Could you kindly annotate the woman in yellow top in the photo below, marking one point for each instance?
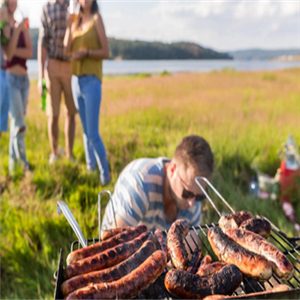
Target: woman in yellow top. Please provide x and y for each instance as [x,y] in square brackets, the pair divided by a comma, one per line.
[86,40]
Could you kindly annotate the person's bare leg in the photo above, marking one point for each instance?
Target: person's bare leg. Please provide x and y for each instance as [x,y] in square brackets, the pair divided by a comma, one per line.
[69,134]
[53,134]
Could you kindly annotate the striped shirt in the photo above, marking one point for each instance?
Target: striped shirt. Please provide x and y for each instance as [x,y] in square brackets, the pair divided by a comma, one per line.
[138,197]
[52,31]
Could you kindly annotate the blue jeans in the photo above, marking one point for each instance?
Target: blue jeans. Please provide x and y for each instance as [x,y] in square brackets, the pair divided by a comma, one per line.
[87,98]
[18,89]
[4,101]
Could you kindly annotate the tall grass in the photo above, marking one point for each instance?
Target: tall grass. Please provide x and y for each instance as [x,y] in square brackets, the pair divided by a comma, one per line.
[245,116]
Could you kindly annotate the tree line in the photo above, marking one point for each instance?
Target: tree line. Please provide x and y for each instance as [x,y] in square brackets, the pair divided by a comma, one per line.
[126,49]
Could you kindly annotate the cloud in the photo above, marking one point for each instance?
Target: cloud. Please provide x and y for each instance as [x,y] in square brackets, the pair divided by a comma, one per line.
[219,24]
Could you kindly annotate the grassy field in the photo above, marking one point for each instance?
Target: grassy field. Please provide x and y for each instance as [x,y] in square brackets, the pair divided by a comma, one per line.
[245,116]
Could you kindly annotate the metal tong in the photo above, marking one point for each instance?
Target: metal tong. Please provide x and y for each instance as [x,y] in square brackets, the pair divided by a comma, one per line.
[63,207]
[197,179]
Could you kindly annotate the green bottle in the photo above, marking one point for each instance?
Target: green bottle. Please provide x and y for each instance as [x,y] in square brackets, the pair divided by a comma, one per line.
[4,40]
[3,23]
[44,95]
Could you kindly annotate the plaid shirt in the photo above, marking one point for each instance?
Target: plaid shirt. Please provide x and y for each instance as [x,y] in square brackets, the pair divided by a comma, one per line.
[52,31]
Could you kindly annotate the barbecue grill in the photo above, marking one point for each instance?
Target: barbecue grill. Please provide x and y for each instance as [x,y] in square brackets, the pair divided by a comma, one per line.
[290,246]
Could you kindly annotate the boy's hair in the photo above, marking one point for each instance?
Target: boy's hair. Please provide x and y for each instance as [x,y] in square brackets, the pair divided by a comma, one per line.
[194,151]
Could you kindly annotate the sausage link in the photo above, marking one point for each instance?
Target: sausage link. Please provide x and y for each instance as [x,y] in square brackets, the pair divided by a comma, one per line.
[234,220]
[178,231]
[257,244]
[259,295]
[215,297]
[230,252]
[120,238]
[106,234]
[162,242]
[185,285]
[111,274]
[195,261]
[205,261]
[257,225]
[128,286]
[106,258]
[210,269]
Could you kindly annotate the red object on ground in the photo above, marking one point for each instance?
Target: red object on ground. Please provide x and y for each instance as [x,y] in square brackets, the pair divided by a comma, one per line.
[289,182]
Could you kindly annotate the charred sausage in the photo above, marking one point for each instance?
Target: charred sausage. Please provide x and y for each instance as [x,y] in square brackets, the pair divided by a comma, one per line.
[210,269]
[162,242]
[195,261]
[178,231]
[276,289]
[185,285]
[257,225]
[106,234]
[108,258]
[257,244]
[120,238]
[234,220]
[110,274]
[230,252]
[128,286]
[205,261]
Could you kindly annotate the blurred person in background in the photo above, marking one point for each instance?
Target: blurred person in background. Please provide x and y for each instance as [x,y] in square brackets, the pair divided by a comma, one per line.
[18,50]
[157,191]
[55,67]
[4,97]
[87,44]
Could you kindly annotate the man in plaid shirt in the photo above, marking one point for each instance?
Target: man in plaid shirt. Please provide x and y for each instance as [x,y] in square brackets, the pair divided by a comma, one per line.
[55,67]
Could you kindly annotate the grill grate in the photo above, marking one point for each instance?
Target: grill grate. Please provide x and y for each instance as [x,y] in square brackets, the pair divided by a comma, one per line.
[198,237]
[288,246]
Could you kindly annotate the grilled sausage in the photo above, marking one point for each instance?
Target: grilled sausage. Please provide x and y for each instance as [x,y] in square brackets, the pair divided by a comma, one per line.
[210,269]
[205,261]
[185,285]
[257,225]
[106,234]
[276,289]
[215,297]
[195,261]
[280,288]
[111,274]
[162,242]
[177,232]
[107,258]
[128,286]
[120,238]
[230,252]
[257,244]
[234,220]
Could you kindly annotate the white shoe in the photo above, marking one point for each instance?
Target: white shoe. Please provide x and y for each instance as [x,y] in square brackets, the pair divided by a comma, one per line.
[53,158]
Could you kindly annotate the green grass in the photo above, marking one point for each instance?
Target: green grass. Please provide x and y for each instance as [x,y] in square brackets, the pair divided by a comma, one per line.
[245,116]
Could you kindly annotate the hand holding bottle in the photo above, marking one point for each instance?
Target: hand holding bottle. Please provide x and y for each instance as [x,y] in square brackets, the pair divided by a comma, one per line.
[5,30]
[73,11]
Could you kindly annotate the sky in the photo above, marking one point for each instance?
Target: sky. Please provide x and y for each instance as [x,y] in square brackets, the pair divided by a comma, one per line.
[220,25]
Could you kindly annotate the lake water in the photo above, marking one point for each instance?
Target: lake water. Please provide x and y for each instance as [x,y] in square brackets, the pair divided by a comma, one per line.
[124,67]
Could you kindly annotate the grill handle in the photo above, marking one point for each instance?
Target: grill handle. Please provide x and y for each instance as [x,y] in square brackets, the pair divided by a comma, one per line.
[99,210]
[63,207]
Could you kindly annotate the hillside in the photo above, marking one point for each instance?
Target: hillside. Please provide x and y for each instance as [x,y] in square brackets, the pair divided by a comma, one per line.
[126,49]
[261,54]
